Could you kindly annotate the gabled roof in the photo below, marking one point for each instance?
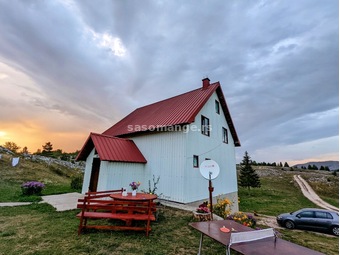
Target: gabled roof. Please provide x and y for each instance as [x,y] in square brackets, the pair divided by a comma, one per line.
[111,149]
[178,110]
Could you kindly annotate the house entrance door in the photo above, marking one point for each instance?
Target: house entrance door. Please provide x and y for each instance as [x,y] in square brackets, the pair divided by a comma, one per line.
[94,174]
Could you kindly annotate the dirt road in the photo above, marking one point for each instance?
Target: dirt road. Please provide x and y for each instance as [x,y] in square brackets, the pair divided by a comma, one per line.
[309,193]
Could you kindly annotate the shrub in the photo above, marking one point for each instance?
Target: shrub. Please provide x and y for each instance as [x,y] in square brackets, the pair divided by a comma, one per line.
[244,219]
[152,190]
[32,188]
[77,182]
[223,207]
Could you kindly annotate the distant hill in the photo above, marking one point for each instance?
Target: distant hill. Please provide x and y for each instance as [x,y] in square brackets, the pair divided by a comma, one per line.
[332,165]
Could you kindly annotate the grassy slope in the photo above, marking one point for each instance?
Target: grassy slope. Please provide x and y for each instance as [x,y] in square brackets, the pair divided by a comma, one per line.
[279,194]
[56,178]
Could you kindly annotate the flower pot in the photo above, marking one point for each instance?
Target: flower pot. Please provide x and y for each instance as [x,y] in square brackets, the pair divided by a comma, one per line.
[134,193]
[202,216]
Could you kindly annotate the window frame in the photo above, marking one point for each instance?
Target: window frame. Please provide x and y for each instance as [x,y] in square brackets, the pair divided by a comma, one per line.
[195,161]
[225,135]
[217,107]
[205,127]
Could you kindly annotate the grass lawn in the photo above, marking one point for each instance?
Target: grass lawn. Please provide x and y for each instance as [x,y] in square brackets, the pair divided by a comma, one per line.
[38,229]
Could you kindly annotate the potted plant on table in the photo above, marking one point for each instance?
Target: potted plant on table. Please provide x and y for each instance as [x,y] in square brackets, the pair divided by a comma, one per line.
[134,186]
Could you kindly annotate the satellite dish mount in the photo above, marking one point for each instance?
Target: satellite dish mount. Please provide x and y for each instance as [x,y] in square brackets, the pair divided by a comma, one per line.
[209,169]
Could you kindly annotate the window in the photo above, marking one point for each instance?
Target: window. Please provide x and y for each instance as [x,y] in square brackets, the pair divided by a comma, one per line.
[306,214]
[205,127]
[217,107]
[225,135]
[195,161]
[323,215]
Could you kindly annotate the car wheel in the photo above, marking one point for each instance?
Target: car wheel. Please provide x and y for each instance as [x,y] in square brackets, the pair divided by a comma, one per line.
[335,230]
[289,224]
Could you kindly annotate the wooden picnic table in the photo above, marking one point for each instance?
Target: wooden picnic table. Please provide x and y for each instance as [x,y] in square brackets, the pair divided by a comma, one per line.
[260,247]
[138,197]
[95,205]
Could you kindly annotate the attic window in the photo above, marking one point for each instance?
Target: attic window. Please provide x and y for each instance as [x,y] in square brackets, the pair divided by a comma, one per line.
[205,126]
[217,107]
[225,135]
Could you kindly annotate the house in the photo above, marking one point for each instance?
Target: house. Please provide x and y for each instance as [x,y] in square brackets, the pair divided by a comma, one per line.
[167,139]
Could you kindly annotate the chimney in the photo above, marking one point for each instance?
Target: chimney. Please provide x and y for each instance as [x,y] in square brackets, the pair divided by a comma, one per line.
[205,83]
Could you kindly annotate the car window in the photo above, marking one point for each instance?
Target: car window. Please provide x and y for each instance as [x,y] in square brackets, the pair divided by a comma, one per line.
[323,215]
[306,214]
[329,216]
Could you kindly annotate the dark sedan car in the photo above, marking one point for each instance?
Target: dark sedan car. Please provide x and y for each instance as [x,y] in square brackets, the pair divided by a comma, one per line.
[310,218]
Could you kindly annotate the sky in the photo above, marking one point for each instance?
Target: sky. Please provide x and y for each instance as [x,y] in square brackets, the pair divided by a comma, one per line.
[68,68]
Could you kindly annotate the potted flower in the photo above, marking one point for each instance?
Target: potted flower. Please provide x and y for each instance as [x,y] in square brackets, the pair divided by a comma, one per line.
[134,186]
[202,213]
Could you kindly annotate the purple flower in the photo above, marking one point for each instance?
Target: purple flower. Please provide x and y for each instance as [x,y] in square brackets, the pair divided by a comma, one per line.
[32,187]
[134,185]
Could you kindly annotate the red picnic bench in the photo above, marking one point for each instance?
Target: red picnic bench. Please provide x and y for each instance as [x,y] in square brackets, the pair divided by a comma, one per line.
[99,205]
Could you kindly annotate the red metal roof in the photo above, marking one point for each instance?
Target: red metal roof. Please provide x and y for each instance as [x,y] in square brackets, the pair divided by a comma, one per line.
[111,149]
[178,110]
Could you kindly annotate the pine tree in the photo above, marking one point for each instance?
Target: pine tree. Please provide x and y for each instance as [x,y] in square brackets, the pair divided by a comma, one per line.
[47,149]
[248,177]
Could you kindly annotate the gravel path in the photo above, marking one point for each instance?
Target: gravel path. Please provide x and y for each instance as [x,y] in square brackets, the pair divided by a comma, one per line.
[309,193]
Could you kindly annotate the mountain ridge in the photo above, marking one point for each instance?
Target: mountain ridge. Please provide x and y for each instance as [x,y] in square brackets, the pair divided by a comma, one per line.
[331,164]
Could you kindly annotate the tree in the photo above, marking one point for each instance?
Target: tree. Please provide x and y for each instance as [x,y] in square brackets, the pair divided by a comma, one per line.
[47,149]
[25,150]
[248,177]
[286,164]
[12,146]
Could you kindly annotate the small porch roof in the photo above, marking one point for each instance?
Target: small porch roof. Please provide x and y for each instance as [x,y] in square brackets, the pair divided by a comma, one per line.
[111,148]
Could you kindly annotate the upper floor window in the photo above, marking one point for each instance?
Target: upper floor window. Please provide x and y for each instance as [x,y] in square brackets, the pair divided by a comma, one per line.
[205,126]
[217,107]
[225,135]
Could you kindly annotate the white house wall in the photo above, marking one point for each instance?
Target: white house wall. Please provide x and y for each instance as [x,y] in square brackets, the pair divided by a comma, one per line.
[116,175]
[212,147]
[165,153]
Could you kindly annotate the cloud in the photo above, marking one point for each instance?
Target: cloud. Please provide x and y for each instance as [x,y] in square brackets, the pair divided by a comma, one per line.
[89,65]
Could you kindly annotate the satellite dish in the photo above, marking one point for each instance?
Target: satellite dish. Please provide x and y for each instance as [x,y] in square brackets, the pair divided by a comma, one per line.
[209,169]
